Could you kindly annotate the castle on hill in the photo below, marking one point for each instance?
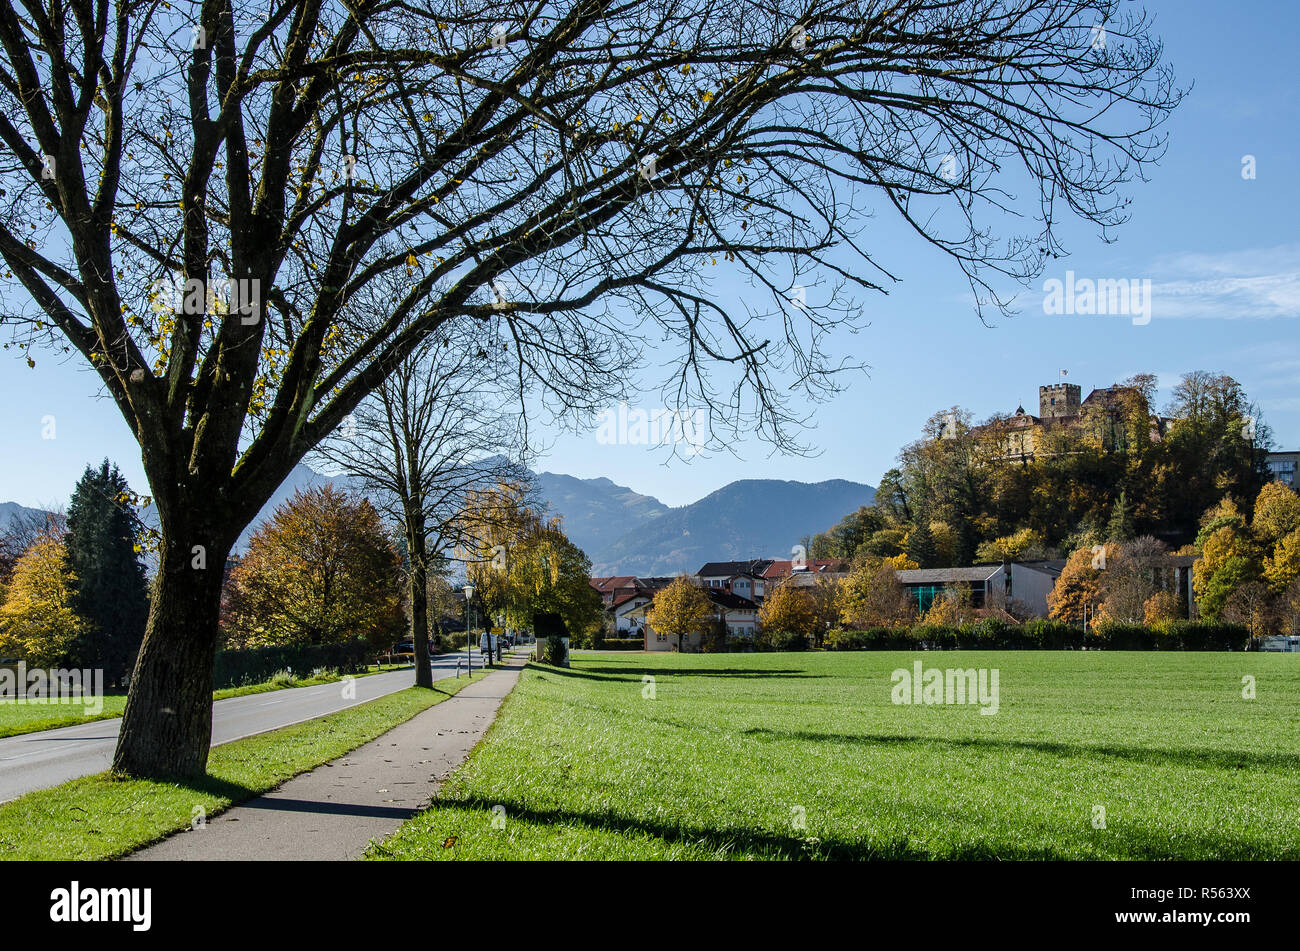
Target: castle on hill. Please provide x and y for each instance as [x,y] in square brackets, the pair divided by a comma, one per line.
[1110,418]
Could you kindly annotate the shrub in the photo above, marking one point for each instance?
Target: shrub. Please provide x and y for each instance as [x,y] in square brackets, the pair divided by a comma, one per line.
[239,667]
[1123,637]
[988,633]
[621,644]
[450,642]
[1048,635]
[1202,636]
[932,637]
[553,653]
[284,678]
[780,641]
[868,639]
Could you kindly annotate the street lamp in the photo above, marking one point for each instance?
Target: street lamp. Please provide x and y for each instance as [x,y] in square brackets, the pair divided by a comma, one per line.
[469,607]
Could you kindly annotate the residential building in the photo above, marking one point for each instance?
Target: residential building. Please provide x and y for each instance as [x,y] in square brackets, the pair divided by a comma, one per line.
[740,614]
[990,585]
[1030,583]
[1283,466]
[624,596]
[745,578]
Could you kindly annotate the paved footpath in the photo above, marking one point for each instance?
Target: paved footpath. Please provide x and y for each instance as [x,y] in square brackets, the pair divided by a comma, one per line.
[333,812]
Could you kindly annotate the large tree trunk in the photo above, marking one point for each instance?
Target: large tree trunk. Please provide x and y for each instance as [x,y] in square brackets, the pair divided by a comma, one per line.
[415,551]
[420,622]
[167,724]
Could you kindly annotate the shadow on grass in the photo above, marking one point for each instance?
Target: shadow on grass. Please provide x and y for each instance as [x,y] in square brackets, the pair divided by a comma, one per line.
[661,673]
[725,842]
[206,785]
[819,845]
[1217,759]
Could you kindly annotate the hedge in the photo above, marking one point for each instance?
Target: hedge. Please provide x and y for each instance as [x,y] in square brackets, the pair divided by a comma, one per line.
[238,667]
[620,644]
[1040,634]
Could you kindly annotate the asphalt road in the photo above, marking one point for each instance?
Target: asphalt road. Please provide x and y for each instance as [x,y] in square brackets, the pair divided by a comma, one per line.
[38,760]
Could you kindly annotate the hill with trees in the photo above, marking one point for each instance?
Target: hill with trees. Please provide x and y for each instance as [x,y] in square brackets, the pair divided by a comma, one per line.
[967,493]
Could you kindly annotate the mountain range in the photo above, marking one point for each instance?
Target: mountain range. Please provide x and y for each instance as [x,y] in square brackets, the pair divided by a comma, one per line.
[626,533]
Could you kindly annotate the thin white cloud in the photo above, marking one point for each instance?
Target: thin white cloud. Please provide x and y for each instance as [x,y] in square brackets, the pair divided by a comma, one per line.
[1259,283]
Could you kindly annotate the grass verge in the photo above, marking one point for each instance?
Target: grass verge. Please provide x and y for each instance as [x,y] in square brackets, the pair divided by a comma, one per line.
[17,719]
[104,817]
[1091,755]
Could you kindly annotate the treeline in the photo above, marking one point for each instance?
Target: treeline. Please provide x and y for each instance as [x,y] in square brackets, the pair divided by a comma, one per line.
[963,493]
[327,569]
[327,576]
[73,590]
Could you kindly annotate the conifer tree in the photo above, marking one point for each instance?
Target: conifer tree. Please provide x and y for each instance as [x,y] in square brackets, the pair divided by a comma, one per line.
[109,590]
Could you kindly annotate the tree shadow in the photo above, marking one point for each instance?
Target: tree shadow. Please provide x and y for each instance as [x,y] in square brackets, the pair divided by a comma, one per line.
[816,844]
[660,673]
[1218,759]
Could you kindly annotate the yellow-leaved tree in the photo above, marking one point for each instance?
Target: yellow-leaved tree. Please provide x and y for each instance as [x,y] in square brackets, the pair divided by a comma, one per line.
[521,562]
[680,609]
[788,611]
[37,623]
[1276,527]
[872,596]
[1078,591]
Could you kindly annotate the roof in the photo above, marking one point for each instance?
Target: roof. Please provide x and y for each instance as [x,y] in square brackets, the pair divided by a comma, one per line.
[606,585]
[1110,395]
[942,575]
[1050,566]
[732,602]
[781,568]
[729,569]
[623,599]
[806,579]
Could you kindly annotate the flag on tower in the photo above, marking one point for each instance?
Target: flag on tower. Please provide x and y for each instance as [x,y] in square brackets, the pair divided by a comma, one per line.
[1064,374]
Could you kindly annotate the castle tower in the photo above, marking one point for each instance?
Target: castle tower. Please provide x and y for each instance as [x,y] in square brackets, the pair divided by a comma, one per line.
[1059,399]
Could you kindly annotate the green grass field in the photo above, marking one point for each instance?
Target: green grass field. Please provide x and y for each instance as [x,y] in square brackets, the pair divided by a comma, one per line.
[805,756]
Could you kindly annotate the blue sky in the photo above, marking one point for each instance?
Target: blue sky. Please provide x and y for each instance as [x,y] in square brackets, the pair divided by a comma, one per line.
[1222,253]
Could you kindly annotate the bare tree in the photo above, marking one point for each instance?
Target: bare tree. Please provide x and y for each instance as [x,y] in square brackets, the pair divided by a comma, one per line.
[432,431]
[22,531]
[204,200]
[1132,576]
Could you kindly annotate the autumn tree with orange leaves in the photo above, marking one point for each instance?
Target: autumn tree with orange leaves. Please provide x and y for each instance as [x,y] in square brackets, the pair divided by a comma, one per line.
[320,571]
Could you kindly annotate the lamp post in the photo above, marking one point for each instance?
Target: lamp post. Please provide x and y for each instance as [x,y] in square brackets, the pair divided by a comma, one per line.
[469,608]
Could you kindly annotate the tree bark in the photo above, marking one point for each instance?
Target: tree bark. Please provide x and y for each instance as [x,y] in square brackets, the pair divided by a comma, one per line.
[417,555]
[420,620]
[167,724]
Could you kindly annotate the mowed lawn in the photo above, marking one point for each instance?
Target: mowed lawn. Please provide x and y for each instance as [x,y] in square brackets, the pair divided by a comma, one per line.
[782,756]
[32,716]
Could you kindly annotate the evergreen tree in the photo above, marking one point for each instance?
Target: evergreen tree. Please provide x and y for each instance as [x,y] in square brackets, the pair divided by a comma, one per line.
[921,547]
[1120,526]
[109,591]
[965,542]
